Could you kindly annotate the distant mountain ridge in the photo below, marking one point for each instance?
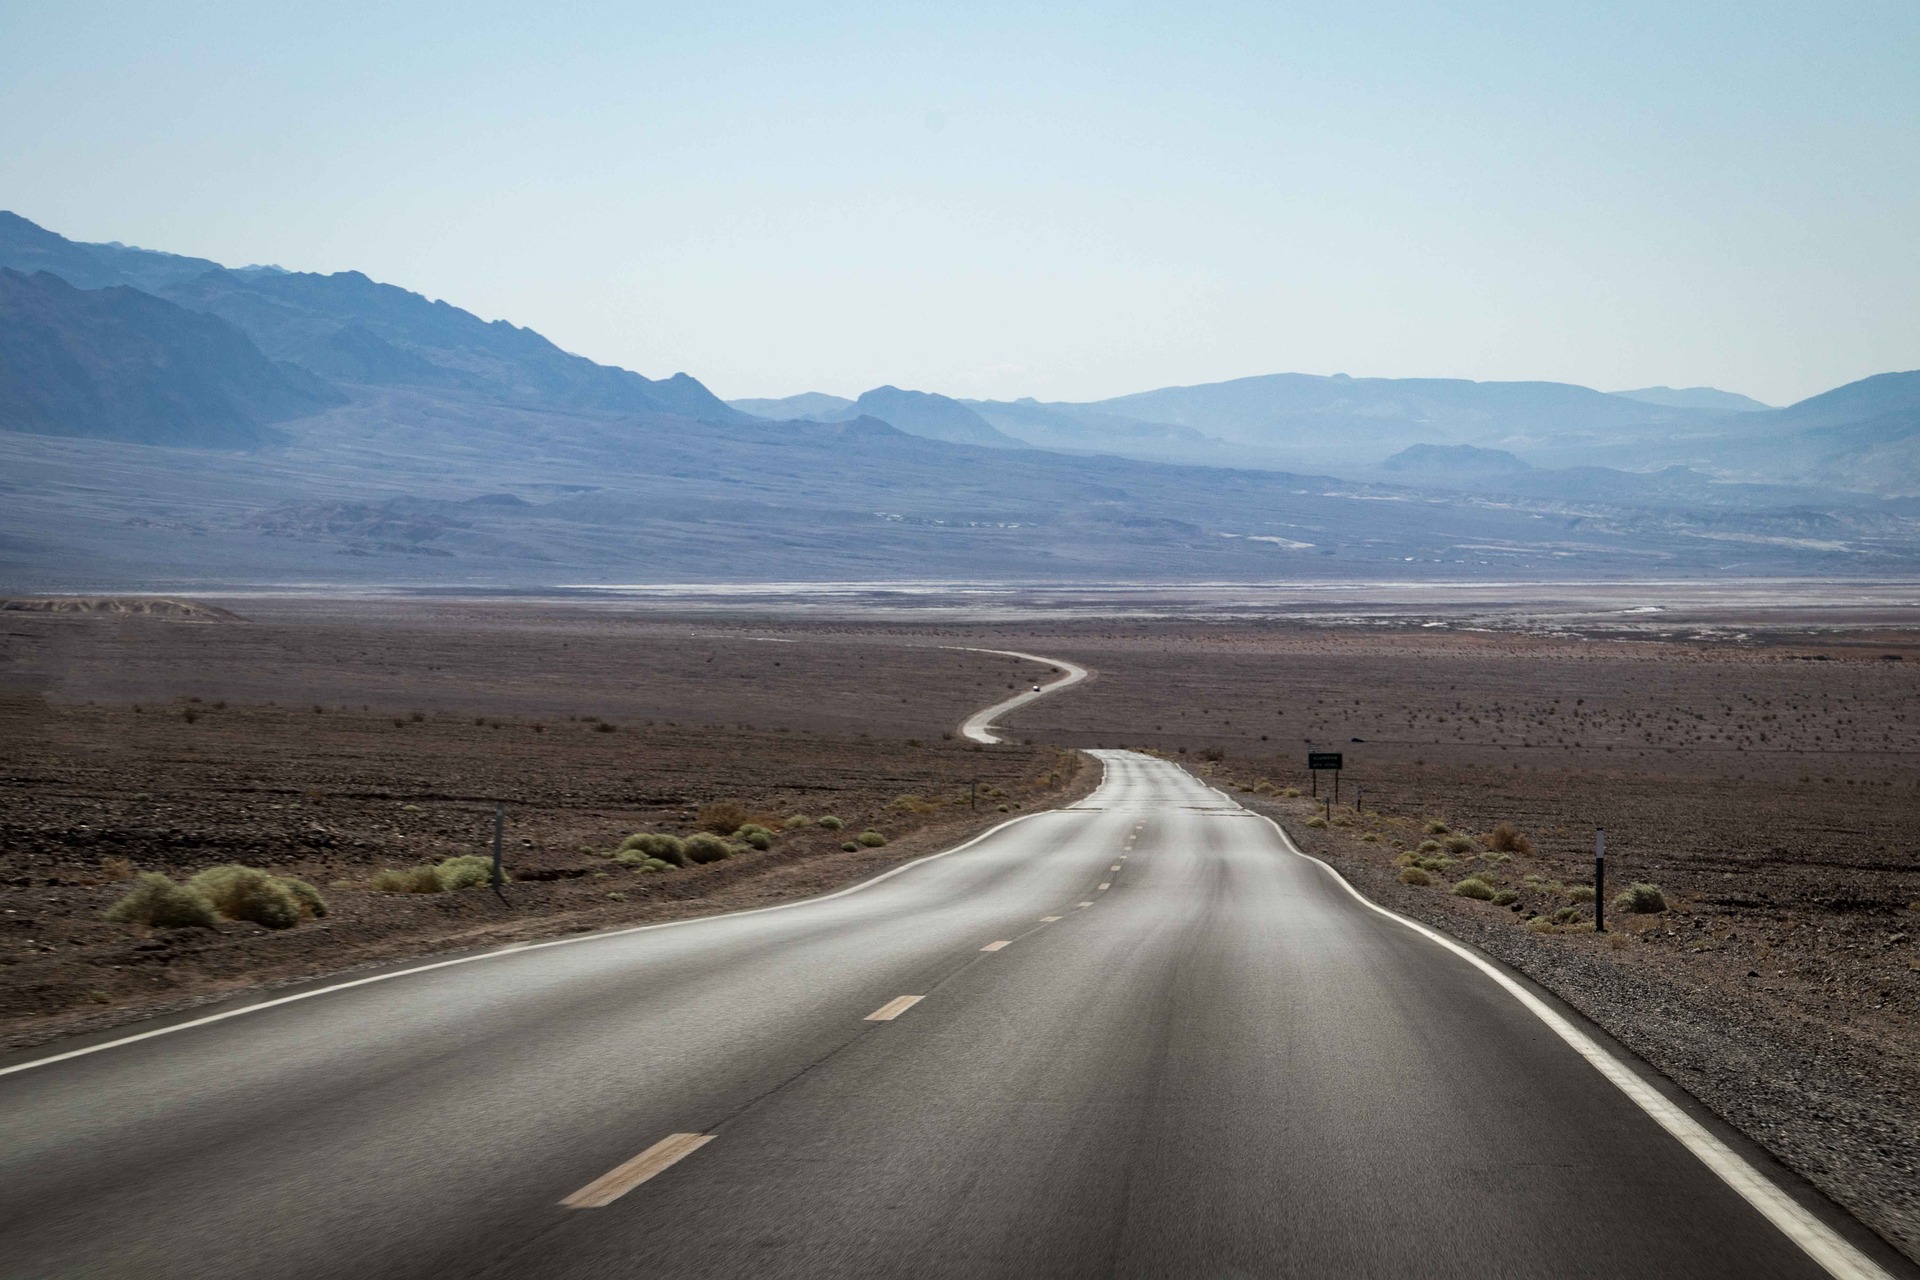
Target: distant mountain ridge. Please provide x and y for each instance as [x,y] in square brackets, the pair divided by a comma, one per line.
[347,328]
[1711,399]
[919,413]
[120,364]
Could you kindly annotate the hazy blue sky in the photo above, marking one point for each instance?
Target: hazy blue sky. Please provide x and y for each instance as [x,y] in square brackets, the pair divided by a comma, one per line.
[1061,201]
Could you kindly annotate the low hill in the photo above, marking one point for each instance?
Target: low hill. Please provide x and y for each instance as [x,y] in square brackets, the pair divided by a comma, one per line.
[120,364]
[1711,399]
[918,413]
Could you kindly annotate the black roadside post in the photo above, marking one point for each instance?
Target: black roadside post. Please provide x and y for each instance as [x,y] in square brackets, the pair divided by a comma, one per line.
[499,830]
[1359,794]
[1599,879]
[973,794]
[1330,807]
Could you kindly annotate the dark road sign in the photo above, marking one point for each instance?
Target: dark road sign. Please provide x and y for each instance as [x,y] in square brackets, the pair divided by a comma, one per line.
[1323,759]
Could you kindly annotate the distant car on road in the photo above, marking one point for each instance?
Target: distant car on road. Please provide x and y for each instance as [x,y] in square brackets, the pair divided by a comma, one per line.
[1036,688]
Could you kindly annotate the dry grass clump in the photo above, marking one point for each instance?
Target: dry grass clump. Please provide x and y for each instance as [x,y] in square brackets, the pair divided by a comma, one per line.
[704,847]
[654,846]
[114,870]
[1580,892]
[248,893]
[871,839]
[722,817]
[409,880]
[1416,876]
[1474,887]
[1641,898]
[832,823]
[1505,838]
[796,821]
[465,871]
[1316,821]
[1435,827]
[1458,844]
[157,901]
[754,836]
[462,872]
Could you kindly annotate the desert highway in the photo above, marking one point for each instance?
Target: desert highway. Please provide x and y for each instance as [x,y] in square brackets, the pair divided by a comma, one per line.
[1136,1037]
[979,726]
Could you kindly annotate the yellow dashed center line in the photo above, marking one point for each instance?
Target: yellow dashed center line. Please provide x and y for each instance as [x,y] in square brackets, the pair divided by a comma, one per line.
[659,1157]
[893,1008]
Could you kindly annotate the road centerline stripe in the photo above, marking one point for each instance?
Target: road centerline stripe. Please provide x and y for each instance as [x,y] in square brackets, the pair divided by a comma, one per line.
[893,1008]
[1050,919]
[619,1180]
[996,946]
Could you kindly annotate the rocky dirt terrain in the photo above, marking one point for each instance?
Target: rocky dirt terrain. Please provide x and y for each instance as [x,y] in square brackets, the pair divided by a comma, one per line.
[95,790]
[1765,777]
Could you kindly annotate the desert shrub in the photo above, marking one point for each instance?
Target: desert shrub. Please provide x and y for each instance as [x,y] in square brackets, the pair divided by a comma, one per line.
[832,823]
[1316,821]
[465,871]
[754,836]
[1581,893]
[1370,838]
[157,901]
[704,847]
[722,817]
[248,893]
[116,869]
[1458,844]
[1641,899]
[1434,862]
[635,858]
[1505,839]
[1566,915]
[1435,827]
[657,844]
[409,880]
[796,821]
[848,846]
[311,903]
[1429,846]
[1540,924]
[652,865]
[1342,820]
[1291,793]
[1406,860]
[1496,859]
[1415,876]
[871,839]
[1473,887]
[1505,898]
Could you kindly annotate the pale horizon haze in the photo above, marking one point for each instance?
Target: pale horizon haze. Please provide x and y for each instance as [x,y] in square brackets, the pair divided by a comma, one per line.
[1068,202]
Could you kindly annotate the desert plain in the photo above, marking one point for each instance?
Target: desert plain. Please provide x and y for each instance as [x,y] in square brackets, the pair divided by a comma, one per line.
[1759,767]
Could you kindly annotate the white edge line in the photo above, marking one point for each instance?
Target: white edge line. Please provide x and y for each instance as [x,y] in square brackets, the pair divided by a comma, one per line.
[519,948]
[1819,1241]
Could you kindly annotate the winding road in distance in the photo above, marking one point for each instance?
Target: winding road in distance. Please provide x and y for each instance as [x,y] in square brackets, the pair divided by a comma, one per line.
[1141,1036]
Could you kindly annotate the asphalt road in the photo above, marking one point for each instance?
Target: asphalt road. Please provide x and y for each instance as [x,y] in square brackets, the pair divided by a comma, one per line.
[980,727]
[1211,1061]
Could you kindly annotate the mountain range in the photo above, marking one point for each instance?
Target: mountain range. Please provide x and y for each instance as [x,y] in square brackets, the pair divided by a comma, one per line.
[167,420]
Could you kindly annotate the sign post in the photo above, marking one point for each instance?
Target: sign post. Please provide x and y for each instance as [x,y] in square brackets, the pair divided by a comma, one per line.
[499,830]
[1599,879]
[1318,760]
